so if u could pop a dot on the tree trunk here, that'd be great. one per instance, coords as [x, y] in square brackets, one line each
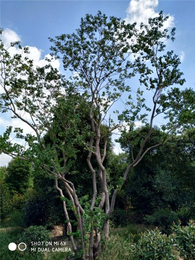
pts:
[94, 245]
[106, 228]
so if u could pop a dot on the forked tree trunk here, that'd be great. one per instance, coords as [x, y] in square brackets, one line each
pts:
[95, 241]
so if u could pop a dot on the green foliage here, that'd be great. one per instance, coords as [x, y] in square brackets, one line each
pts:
[93, 220]
[15, 219]
[120, 216]
[5, 200]
[153, 245]
[185, 213]
[130, 232]
[18, 176]
[97, 51]
[134, 242]
[184, 237]
[3, 172]
[179, 108]
[5, 238]
[162, 218]
[161, 188]
[117, 248]
[15, 186]
[35, 212]
[11, 203]
[34, 233]
[14, 236]
[43, 206]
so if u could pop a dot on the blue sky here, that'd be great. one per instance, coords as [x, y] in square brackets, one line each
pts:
[33, 22]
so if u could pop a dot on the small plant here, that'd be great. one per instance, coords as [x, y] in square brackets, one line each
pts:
[34, 234]
[184, 237]
[153, 245]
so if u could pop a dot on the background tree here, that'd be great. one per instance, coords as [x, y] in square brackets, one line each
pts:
[16, 182]
[5, 196]
[18, 176]
[163, 189]
[43, 205]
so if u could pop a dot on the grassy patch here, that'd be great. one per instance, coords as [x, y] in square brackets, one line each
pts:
[119, 244]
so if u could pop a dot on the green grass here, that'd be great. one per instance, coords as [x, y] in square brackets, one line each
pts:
[119, 244]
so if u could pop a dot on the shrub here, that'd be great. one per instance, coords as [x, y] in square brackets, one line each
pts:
[15, 220]
[185, 213]
[153, 245]
[44, 210]
[162, 218]
[35, 233]
[35, 212]
[184, 237]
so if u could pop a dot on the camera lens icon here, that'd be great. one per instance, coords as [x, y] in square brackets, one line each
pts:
[12, 246]
[22, 246]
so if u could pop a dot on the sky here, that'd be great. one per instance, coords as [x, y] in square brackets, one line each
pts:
[32, 22]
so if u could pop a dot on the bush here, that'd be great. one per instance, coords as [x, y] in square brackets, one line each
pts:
[162, 218]
[44, 210]
[186, 213]
[15, 220]
[35, 212]
[184, 237]
[153, 245]
[35, 233]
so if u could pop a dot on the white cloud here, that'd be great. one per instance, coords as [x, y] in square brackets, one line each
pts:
[182, 56]
[34, 54]
[117, 133]
[140, 10]
[54, 62]
[9, 36]
[4, 159]
[138, 124]
[15, 123]
[3, 122]
[117, 148]
[75, 74]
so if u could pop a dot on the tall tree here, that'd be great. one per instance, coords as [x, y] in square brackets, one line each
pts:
[18, 175]
[163, 180]
[103, 55]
